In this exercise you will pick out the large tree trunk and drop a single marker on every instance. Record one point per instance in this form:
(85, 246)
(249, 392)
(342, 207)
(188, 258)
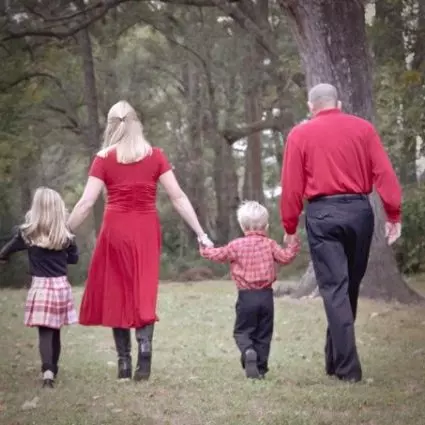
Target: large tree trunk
(331, 38)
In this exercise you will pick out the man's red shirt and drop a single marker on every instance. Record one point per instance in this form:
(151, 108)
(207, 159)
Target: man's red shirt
(335, 153)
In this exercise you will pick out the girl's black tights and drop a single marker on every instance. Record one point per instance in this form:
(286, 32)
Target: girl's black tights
(50, 348)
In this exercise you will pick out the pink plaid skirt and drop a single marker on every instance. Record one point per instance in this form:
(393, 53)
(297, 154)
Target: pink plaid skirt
(50, 303)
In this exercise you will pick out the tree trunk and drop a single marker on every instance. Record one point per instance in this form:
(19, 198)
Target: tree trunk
(92, 131)
(253, 178)
(226, 189)
(192, 173)
(331, 38)
(224, 175)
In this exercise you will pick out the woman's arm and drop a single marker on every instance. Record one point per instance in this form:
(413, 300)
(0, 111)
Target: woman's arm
(85, 204)
(181, 202)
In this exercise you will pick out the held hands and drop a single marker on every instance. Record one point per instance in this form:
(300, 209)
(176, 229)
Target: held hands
(205, 241)
(291, 240)
(392, 232)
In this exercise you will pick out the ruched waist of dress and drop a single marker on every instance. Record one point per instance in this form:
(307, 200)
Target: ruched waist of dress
(138, 198)
(131, 209)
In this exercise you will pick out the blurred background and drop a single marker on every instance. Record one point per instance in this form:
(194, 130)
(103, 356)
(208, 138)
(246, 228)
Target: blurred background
(217, 86)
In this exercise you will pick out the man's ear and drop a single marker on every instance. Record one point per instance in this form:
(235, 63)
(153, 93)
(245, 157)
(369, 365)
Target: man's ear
(310, 107)
(339, 105)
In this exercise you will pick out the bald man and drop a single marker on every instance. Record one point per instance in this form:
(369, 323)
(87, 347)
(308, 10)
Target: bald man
(333, 161)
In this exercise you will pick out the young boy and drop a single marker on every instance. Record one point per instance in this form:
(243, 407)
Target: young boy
(253, 261)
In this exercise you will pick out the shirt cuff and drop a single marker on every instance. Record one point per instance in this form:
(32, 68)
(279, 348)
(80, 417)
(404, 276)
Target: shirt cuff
(394, 217)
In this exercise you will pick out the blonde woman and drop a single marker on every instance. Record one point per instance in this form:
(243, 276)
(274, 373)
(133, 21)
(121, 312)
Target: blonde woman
(51, 247)
(122, 285)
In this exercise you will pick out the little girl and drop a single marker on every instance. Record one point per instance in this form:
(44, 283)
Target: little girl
(50, 248)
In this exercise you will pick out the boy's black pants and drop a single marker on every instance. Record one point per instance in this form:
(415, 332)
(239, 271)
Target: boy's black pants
(50, 348)
(254, 324)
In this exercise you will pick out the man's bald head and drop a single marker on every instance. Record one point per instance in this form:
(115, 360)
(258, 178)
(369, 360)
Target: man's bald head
(323, 96)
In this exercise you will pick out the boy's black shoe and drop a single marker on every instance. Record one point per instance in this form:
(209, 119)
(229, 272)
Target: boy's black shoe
(251, 369)
(55, 370)
(48, 379)
(48, 383)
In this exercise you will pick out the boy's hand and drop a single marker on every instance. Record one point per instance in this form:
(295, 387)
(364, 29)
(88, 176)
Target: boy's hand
(291, 239)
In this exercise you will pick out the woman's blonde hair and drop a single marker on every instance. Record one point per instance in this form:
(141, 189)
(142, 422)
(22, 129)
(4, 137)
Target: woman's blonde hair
(125, 132)
(45, 222)
(252, 216)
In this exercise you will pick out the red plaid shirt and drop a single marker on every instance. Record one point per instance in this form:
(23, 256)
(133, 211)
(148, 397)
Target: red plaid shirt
(253, 259)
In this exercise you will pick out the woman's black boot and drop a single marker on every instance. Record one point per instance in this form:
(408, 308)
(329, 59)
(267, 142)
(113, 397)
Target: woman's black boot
(144, 338)
(122, 340)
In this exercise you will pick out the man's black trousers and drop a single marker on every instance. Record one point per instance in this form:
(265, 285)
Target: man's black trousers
(254, 324)
(340, 230)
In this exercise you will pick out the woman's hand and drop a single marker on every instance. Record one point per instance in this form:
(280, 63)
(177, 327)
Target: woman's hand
(205, 241)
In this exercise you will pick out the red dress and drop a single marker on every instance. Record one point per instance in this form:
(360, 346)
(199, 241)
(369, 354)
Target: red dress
(122, 285)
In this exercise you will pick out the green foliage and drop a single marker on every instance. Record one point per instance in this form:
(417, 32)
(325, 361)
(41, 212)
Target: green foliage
(410, 251)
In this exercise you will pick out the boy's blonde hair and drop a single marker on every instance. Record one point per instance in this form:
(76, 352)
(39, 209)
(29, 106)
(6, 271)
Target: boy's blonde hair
(125, 132)
(45, 222)
(252, 216)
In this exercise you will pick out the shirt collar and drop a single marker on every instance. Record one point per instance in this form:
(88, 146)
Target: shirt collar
(256, 233)
(328, 112)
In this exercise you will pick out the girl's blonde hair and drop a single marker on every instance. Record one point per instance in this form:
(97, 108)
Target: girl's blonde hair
(125, 132)
(45, 222)
(252, 216)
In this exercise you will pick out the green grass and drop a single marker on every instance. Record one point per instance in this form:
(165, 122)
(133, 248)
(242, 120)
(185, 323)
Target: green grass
(196, 377)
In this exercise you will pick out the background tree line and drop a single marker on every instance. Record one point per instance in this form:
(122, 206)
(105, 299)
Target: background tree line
(218, 84)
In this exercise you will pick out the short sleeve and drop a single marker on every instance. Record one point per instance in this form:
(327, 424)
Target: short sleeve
(97, 168)
(163, 163)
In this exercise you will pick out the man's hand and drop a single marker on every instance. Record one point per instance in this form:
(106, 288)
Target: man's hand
(3, 261)
(392, 231)
(291, 239)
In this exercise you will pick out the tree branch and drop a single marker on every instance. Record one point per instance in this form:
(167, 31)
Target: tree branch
(73, 15)
(232, 135)
(29, 76)
(43, 32)
(73, 121)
